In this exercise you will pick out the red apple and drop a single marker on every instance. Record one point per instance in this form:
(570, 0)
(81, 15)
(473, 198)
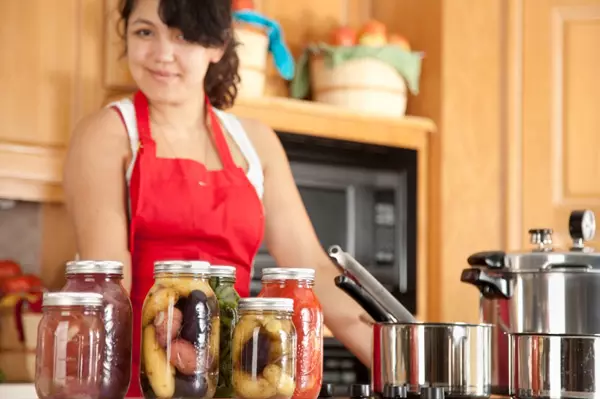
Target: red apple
(399, 40)
(238, 5)
(343, 36)
(373, 33)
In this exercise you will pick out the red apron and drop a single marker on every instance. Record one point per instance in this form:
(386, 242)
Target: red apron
(182, 211)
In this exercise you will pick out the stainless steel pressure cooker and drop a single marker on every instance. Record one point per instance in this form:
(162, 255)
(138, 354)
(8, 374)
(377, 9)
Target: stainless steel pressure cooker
(543, 291)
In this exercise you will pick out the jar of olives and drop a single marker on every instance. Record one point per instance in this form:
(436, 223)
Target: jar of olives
(264, 349)
(69, 346)
(297, 284)
(104, 277)
(180, 333)
(222, 281)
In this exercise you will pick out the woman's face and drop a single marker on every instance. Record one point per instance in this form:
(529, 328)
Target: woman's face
(164, 66)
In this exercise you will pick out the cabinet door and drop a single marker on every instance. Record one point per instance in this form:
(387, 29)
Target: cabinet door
(554, 142)
(116, 72)
(38, 41)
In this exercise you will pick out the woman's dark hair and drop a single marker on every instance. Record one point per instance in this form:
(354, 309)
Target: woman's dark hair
(208, 23)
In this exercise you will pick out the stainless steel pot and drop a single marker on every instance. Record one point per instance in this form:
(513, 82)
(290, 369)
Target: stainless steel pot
(543, 291)
(452, 356)
(554, 366)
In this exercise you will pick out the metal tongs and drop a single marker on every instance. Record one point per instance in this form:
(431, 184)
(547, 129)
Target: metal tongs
(377, 292)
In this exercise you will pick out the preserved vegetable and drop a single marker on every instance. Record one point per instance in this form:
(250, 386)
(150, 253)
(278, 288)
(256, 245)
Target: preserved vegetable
(180, 333)
(69, 347)
(264, 349)
(105, 277)
(222, 282)
(297, 284)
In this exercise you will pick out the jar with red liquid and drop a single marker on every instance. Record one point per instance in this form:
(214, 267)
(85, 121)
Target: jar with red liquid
(105, 277)
(70, 346)
(297, 284)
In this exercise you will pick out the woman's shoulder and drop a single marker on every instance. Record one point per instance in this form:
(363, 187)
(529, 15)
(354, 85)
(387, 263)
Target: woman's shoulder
(104, 122)
(100, 132)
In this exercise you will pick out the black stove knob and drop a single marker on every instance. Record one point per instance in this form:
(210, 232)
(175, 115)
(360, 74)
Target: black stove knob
(360, 391)
(432, 393)
(326, 391)
(391, 391)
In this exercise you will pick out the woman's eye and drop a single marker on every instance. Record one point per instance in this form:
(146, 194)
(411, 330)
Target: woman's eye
(143, 32)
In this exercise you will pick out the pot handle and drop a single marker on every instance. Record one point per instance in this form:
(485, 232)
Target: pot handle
(490, 259)
(490, 287)
(366, 301)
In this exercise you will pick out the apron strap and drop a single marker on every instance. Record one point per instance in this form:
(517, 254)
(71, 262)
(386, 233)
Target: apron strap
(219, 138)
(142, 114)
(140, 103)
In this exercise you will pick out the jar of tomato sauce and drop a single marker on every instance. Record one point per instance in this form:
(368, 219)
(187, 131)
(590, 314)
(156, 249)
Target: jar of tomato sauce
(308, 320)
(70, 341)
(105, 277)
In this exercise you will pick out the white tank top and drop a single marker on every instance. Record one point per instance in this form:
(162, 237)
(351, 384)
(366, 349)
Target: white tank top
(229, 121)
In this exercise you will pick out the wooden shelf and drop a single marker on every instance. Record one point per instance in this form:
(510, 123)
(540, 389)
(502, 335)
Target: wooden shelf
(322, 120)
(31, 172)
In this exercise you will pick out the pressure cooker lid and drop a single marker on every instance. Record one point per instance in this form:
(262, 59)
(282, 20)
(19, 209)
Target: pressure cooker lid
(545, 256)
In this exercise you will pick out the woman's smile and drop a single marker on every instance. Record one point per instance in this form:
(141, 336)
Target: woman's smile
(163, 76)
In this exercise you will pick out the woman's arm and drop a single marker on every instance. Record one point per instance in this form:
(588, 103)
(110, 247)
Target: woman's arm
(94, 184)
(292, 241)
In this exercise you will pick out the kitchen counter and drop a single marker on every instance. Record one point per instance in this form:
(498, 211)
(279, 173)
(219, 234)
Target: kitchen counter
(17, 391)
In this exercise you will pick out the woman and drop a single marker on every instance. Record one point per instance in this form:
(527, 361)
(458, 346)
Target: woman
(168, 175)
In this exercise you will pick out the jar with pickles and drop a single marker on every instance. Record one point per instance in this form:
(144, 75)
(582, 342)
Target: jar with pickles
(105, 277)
(264, 349)
(297, 284)
(222, 281)
(69, 348)
(180, 333)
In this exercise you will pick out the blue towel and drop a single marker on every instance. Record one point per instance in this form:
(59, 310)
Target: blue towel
(281, 54)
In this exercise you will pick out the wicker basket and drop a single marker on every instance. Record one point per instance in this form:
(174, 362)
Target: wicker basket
(362, 84)
(253, 54)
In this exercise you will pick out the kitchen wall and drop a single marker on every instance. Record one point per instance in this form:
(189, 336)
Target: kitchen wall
(21, 233)
(39, 237)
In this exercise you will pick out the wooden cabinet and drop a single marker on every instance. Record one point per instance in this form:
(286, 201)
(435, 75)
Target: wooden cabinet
(554, 130)
(49, 78)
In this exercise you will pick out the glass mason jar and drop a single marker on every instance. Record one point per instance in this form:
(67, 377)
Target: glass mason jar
(264, 349)
(105, 277)
(70, 343)
(308, 320)
(180, 333)
(222, 281)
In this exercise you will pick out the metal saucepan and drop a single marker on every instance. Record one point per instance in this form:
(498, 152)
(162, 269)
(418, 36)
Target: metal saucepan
(554, 366)
(454, 356)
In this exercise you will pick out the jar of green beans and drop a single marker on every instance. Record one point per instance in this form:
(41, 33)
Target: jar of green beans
(222, 280)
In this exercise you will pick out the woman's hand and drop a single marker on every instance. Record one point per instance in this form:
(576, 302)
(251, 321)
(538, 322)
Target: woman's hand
(94, 184)
(292, 241)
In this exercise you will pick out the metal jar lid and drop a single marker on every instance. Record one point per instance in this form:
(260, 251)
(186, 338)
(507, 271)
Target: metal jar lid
(222, 271)
(72, 299)
(284, 273)
(199, 268)
(94, 267)
(273, 304)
